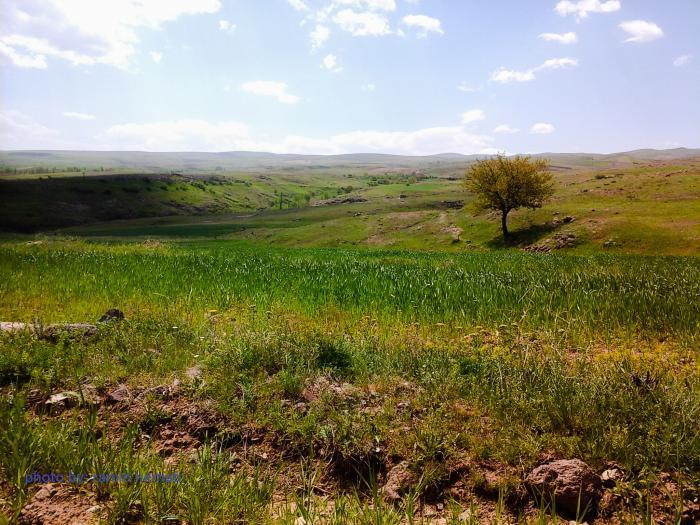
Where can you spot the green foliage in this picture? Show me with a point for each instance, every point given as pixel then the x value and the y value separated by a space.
pixel 507 183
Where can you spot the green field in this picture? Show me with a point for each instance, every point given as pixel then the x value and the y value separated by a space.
pixel 305 335
pixel 309 360
pixel 582 294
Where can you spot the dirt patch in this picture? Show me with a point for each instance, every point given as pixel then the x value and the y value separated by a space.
pixel 59 505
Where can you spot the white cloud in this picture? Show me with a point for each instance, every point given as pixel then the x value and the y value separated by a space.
pixel 178 135
pixel 371 5
pixel 542 128
pixel 156 56
pixel 299 5
pixel 562 38
pixel 466 87
pixel 505 129
pixel 19 131
pixel 425 24
pixel 330 62
pixel 583 7
pixel 85 32
pixel 227 26
pixel 683 60
pixel 369 87
pixel 201 135
pixel 363 23
pixel 506 76
pixel 641 31
pixel 268 88
pixel 35 50
pixel 79 116
pixel 319 36
pixel 34 61
pixel 473 115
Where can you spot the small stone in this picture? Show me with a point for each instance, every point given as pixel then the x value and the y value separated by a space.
pixel 61 401
pixel 398 481
pixel 44 492
pixel 113 314
pixel 160 391
pixel 119 395
pixel 611 476
pixel 194 372
pixel 571 482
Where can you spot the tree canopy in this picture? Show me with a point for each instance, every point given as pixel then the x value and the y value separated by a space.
pixel 507 183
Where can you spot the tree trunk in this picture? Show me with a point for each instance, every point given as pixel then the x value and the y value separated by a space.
pixel 504 224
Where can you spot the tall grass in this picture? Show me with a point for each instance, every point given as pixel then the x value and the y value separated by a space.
pixel 586 294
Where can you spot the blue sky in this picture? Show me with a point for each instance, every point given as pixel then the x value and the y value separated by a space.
pixel 342 76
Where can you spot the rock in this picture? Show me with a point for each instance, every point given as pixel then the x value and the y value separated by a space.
pixel 55 332
pixel 90 394
pixel 398 481
pixel 59 402
pixel 120 395
pixel 611 476
pixel 12 327
pixel 194 372
pixel 160 391
pixel 35 396
pixel 567 481
pixel 564 240
pixel 340 200
pixel 46 491
pixel 113 314
pixel 568 219
pixel 448 205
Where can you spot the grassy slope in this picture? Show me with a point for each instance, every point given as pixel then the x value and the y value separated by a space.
pixel 49 202
pixel 653 208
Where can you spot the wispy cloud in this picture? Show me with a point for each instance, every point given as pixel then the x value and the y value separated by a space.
pixel 562 38
pixel 227 26
pixel 506 76
pixel 268 88
pixel 466 87
pixel 425 24
pixel 641 31
pixel 330 62
pixel 362 23
pixel 473 115
pixel 318 37
pixel 79 116
pixel 683 60
pixel 85 33
pixel 582 8
pixel 542 128
pixel 202 135
pixel 299 5
pixel 505 129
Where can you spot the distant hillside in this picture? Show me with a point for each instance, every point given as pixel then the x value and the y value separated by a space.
pixel 246 160
pixel 225 161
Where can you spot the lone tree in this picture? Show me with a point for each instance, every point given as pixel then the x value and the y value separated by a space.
pixel 504 184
